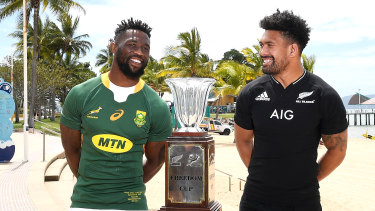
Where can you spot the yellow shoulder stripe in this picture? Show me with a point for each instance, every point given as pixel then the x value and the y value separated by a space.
pixel 105 79
pixel 139 86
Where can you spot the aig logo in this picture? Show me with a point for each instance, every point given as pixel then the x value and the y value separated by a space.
pixel 288 114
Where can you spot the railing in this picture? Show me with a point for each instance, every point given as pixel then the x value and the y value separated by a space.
pixel 55 158
pixel 50 126
pixel 230 179
pixel 44 139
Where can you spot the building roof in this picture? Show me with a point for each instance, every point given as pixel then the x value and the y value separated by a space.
pixel 370 101
pixel 355 98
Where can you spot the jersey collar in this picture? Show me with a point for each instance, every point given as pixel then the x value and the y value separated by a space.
pixel 295 82
pixel 105 80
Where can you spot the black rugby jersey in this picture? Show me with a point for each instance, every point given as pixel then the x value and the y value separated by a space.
pixel 287 125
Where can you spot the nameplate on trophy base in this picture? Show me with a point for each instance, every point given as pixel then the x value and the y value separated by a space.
pixel 190 173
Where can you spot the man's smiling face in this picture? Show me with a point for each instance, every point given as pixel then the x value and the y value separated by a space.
pixel 133 50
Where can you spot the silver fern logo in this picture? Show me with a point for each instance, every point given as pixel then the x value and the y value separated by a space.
pixel 304 95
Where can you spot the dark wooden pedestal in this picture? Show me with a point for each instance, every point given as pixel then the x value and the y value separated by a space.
pixel 190 173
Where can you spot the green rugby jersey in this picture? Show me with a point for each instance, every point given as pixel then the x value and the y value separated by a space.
pixel 110 174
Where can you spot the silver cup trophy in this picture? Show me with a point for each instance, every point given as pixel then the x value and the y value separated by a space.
pixel 190 100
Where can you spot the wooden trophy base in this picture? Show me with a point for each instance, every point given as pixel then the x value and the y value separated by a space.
pixel 190 173
pixel 213 206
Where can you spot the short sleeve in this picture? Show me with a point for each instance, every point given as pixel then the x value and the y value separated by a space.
pixel 161 121
pixel 334 114
pixel 243 116
pixel 72 110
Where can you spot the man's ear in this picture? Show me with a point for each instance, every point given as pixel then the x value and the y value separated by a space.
pixel 293 50
pixel 113 47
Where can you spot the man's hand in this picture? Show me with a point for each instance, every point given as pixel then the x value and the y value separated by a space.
pixel 155 154
pixel 71 141
pixel 336 145
pixel 244 143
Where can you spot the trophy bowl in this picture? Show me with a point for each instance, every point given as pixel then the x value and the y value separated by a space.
pixel 190 100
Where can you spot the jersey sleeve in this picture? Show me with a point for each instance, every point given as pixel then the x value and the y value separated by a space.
pixel 334 114
pixel 72 110
pixel 243 116
pixel 161 121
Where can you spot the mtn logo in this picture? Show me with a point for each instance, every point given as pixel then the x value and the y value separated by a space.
pixel 263 97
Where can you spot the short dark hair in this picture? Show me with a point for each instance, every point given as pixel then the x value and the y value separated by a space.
pixel 292 27
pixel 132 24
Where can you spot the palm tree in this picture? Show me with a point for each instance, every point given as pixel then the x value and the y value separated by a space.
pixel 150 76
pixel 74 73
pixel 231 77
pixel 68 47
pixel 186 59
pixel 308 62
pixel 57 7
pixel 43 40
pixel 65 40
pixel 254 61
pixel 104 59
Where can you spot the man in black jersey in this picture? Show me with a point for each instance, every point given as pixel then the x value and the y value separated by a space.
pixel 287 111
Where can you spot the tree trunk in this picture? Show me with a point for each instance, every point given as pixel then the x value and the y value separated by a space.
pixel 40 111
pixel 45 108
pixel 16 114
pixel 53 103
pixel 218 107
pixel 33 66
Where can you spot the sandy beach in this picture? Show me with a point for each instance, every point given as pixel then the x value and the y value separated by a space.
pixel 350 187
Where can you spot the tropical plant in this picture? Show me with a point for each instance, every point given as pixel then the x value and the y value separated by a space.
pixel 308 62
pixel 65 41
pixel 186 59
pixel 104 59
pixel 9 7
pixel 254 61
pixel 231 77
pixel 150 76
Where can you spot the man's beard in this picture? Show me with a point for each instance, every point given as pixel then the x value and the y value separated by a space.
pixel 126 70
pixel 275 67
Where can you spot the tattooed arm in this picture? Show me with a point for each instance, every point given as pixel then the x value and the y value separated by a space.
pixel 336 145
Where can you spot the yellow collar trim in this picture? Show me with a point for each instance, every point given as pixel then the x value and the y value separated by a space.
pixel 138 87
pixel 105 79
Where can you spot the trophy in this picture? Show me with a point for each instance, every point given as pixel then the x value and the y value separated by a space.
pixel 190 151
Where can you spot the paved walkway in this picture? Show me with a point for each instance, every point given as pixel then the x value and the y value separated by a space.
pixel 22 185
pixel 13 186
pixel 17 176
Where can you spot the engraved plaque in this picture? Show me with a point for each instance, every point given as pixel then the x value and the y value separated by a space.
pixel 186 173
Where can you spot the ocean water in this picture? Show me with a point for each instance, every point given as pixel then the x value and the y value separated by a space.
pixel 357 131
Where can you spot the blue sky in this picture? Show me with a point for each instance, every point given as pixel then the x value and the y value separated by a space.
pixel 342 37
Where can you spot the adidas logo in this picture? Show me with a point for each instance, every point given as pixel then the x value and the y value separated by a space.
pixel 263 97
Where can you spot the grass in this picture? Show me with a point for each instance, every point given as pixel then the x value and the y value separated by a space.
pixel 52 125
pixel 222 116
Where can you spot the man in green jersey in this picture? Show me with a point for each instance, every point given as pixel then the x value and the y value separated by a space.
pixel 109 122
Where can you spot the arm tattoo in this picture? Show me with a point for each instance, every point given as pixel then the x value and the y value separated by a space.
pixel 334 141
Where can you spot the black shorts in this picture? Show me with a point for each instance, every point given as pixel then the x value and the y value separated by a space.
pixel 247 205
